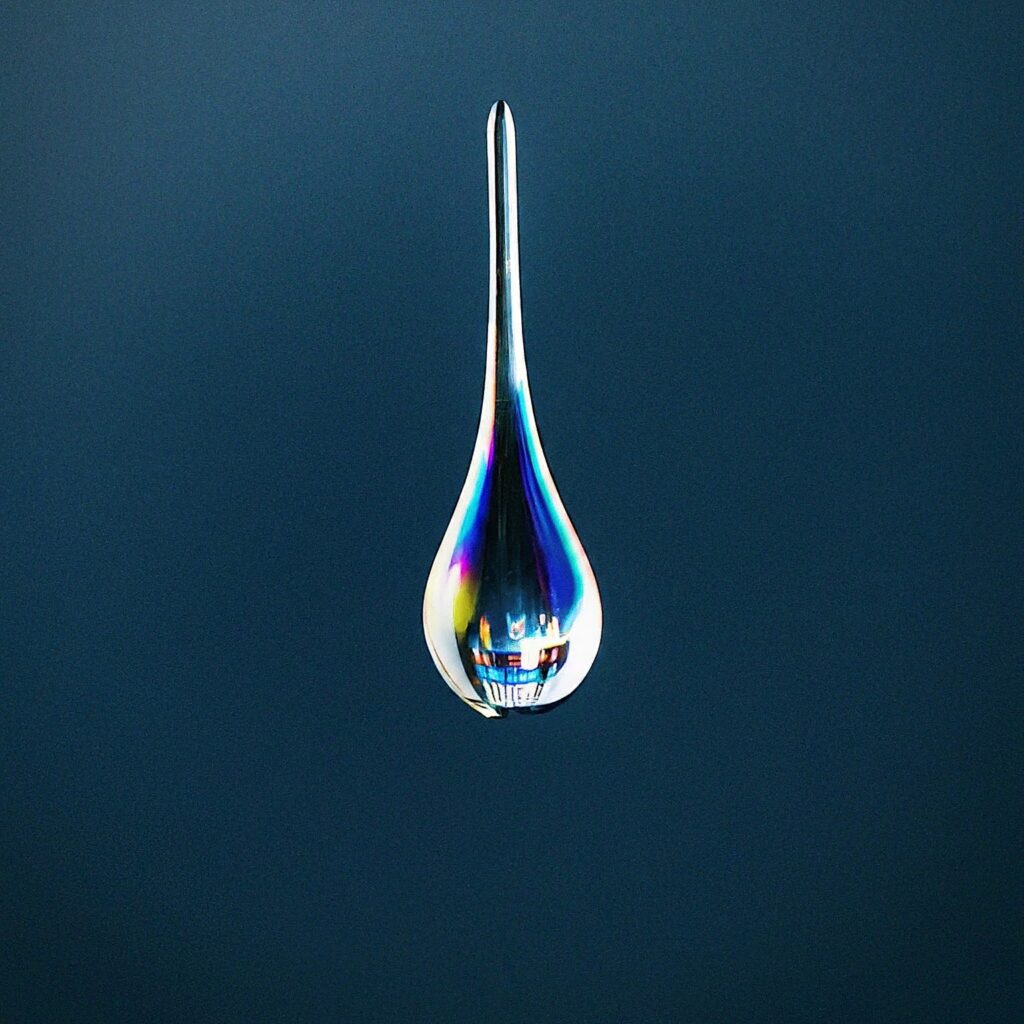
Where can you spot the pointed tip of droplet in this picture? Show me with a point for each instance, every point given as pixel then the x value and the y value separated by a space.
pixel 501 114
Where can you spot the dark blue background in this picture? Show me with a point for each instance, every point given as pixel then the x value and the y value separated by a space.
pixel 772 281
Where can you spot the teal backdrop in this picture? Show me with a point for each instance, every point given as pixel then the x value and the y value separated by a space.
pixel 772 295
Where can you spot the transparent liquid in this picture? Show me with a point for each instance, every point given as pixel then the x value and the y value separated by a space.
pixel 511 612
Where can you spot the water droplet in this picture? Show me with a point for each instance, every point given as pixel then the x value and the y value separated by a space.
pixel 511 612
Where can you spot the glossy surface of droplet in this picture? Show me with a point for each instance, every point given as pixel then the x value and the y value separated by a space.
pixel 511 612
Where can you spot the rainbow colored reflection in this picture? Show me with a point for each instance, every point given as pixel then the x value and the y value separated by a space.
pixel 511 612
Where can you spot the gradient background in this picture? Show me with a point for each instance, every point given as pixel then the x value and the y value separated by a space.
pixel 772 284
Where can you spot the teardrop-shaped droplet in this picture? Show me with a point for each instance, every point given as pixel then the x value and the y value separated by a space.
pixel 511 612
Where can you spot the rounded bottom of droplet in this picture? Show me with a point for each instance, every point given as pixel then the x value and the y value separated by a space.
pixel 540 709
pixel 489 710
